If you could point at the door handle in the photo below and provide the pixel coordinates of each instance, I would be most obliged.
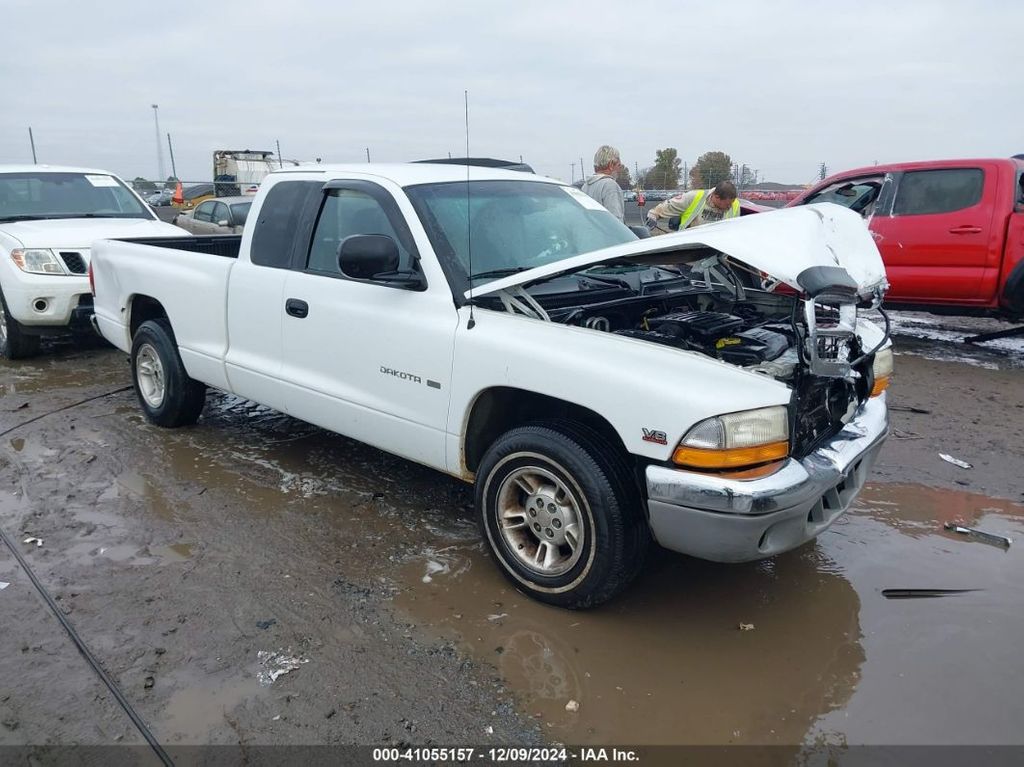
(965, 229)
(296, 308)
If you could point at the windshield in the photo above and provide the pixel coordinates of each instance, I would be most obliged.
(27, 196)
(513, 225)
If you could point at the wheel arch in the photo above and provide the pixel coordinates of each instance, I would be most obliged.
(141, 308)
(497, 409)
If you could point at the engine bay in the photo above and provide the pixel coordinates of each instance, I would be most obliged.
(737, 319)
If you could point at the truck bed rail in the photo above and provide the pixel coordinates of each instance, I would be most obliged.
(226, 245)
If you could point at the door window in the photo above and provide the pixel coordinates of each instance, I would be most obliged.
(938, 191)
(347, 212)
(204, 212)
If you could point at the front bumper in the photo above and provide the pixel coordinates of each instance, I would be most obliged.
(47, 302)
(728, 520)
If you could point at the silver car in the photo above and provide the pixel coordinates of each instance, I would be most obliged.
(223, 215)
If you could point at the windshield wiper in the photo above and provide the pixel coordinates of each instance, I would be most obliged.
(506, 272)
(607, 279)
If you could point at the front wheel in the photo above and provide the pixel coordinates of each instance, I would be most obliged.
(561, 514)
(15, 344)
(167, 395)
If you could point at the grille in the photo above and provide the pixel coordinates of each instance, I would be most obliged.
(74, 261)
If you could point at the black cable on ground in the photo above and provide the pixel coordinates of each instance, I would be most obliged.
(16, 426)
(70, 629)
(87, 654)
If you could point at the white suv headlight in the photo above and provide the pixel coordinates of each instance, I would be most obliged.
(38, 261)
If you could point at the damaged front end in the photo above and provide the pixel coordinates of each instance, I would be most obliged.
(781, 294)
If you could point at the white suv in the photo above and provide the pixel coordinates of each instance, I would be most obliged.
(49, 216)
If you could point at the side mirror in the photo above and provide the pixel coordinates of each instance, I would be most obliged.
(375, 257)
(641, 232)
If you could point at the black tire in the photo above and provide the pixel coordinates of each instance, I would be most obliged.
(607, 508)
(15, 343)
(176, 400)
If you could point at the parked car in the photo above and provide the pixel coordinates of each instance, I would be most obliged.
(193, 194)
(223, 215)
(49, 216)
(599, 390)
(951, 232)
(161, 198)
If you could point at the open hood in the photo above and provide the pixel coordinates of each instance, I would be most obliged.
(810, 248)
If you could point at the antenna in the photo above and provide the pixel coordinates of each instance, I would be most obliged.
(469, 224)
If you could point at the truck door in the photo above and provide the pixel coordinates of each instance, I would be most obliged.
(937, 240)
(362, 358)
(256, 290)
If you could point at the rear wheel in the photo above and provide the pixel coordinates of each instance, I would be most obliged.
(561, 515)
(15, 344)
(167, 395)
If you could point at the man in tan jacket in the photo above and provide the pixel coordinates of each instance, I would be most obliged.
(701, 206)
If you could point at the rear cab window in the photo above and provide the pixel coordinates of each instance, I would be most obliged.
(923, 192)
(275, 233)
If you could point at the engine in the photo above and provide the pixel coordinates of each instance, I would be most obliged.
(728, 337)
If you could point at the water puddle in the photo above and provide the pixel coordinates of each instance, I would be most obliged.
(196, 710)
(828, 659)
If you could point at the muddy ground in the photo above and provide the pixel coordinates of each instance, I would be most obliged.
(196, 562)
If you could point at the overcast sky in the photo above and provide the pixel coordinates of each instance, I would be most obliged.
(781, 86)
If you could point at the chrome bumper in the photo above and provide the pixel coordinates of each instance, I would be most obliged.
(728, 520)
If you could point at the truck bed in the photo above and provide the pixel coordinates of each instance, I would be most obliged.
(226, 245)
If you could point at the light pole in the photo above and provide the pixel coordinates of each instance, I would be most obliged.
(159, 144)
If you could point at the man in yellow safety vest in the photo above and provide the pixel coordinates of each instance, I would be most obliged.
(701, 206)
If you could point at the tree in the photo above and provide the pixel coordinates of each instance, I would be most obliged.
(666, 170)
(643, 178)
(713, 168)
(623, 178)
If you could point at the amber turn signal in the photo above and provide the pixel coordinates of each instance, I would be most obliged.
(729, 458)
(881, 384)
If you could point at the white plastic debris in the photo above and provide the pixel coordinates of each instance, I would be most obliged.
(746, 627)
(274, 664)
(275, 718)
(4, 585)
(37, 541)
(572, 706)
(955, 461)
(489, 730)
(435, 568)
(497, 616)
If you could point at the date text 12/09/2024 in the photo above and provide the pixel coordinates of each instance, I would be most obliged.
(513, 754)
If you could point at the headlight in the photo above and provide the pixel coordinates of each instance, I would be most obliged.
(882, 369)
(736, 440)
(38, 261)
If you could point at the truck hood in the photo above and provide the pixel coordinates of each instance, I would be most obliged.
(82, 232)
(798, 246)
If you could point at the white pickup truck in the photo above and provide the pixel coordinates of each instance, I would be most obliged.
(48, 217)
(714, 389)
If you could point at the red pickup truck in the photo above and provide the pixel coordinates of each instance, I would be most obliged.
(951, 232)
